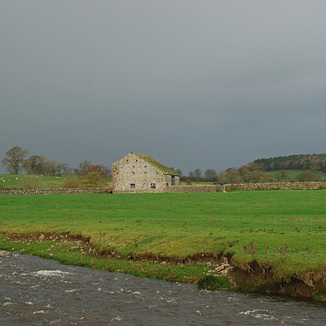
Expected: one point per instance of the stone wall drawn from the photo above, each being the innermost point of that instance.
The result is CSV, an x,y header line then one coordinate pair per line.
x,y
194,188
183,189
54,191
276,186
249,186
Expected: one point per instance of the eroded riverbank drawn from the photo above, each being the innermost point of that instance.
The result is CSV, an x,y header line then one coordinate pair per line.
x,y
73,249
36,291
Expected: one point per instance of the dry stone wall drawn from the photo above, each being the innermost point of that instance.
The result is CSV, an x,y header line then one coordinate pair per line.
x,y
194,189
54,191
276,186
183,189
249,186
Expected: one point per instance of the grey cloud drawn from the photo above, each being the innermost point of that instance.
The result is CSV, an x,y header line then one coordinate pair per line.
x,y
208,84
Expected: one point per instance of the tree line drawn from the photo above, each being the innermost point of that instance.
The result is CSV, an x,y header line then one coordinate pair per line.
x,y
248,173
87,175
253,172
314,162
17,160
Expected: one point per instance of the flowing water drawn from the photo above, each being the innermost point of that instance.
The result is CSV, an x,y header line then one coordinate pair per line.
x,y
34,291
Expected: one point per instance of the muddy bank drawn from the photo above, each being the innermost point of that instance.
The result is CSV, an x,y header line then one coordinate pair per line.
x,y
251,276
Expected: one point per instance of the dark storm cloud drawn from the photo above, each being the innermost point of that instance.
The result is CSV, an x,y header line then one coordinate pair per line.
x,y
208,84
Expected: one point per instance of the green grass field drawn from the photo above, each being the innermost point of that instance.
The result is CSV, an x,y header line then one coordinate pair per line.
x,y
13,181
283,229
292,174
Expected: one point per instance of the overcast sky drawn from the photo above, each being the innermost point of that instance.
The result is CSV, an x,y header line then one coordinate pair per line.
x,y
194,84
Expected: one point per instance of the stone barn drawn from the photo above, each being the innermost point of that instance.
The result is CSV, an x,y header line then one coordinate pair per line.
x,y
137,173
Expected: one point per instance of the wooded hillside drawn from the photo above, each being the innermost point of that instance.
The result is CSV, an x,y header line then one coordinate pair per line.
x,y
315,162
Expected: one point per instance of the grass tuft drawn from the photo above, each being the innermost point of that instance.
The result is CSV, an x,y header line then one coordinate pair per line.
x,y
213,283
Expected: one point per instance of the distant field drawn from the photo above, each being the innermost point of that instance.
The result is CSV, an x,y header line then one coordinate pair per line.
x,y
284,229
184,183
292,174
11,181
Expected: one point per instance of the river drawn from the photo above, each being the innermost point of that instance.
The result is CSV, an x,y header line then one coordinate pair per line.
x,y
35,291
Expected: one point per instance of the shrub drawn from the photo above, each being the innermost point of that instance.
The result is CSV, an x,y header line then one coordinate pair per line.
x,y
308,176
266,178
211,283
91,180
71,182
322,186
31,182
93,176
228,187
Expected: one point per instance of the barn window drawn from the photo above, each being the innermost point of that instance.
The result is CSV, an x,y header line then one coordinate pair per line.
x,y
132,186
153,185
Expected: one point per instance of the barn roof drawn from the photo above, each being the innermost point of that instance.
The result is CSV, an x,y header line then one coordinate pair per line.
x,y
160,166
153,162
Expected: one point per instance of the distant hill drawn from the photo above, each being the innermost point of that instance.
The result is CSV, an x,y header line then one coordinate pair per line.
x,y
297,175
314,162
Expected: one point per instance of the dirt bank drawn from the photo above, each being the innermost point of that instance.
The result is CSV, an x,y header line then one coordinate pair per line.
x,y
244,277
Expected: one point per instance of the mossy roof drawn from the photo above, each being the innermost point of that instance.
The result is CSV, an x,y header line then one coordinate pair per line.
x,y
160,166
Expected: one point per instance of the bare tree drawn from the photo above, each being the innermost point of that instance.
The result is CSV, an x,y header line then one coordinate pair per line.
x,y
197,173
15,159
179,172
83,166
52,167
231,175
94,176
36,164
210,173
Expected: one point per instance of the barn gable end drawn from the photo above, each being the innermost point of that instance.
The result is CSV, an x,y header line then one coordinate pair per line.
x,y
137,173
